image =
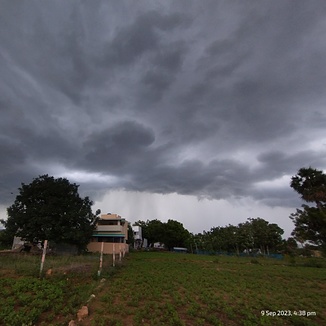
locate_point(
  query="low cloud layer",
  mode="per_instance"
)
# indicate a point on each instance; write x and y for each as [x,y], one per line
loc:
[217,100]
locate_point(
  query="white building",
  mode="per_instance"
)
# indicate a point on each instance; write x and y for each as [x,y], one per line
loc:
[138,237]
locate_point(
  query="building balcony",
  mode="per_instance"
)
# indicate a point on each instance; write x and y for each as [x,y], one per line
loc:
[109,228]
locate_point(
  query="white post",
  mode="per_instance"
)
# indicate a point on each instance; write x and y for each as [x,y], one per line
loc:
[43,256]
[101,260]
[120,252]
[113,255]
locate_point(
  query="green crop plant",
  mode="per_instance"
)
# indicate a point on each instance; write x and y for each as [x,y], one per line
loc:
[173,289]
[153,288]
[27,299]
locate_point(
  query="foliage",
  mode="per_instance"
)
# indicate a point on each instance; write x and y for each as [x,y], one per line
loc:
[184,289]
[310,184]
[164,289]
[130,235]
[51,209]
[289,246]
[172,233]
[310,224]
[5,240]
[310,221]
[53,300]
[266,235]
[255,233]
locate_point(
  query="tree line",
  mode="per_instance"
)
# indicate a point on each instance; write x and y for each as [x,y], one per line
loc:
[256,236]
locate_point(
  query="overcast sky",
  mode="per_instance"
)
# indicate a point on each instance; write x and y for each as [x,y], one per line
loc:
[198,111]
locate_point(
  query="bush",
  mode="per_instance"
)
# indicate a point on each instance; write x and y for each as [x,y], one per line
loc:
[314,263]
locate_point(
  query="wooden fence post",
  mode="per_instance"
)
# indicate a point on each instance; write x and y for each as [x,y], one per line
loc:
[43,256]
[113,255]
[101,260]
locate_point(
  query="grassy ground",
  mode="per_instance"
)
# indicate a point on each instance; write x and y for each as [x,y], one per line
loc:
[156,289]
[28,299]
[183,289]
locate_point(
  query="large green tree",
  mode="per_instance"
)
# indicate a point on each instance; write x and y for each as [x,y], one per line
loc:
[310,221]
[152,230]
[172,233]
[267,236]
[51,209]
[311,185]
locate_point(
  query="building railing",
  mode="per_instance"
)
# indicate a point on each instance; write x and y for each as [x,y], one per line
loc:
[109,228]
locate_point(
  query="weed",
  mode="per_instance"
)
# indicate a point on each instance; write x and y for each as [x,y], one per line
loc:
[292,260]
[317,263]
[27,299]
[166,289]
[255,261]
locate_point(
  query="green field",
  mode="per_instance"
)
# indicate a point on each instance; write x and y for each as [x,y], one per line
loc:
[157,288]
[184,289]
[28,299]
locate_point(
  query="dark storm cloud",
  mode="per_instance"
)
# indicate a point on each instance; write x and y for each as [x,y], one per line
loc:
[141,37]
[117,147]
[207,99]
[281,163]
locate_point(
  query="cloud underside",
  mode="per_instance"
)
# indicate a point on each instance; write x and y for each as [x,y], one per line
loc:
[221,100]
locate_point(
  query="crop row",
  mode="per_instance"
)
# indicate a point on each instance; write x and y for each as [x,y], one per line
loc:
[182,289]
